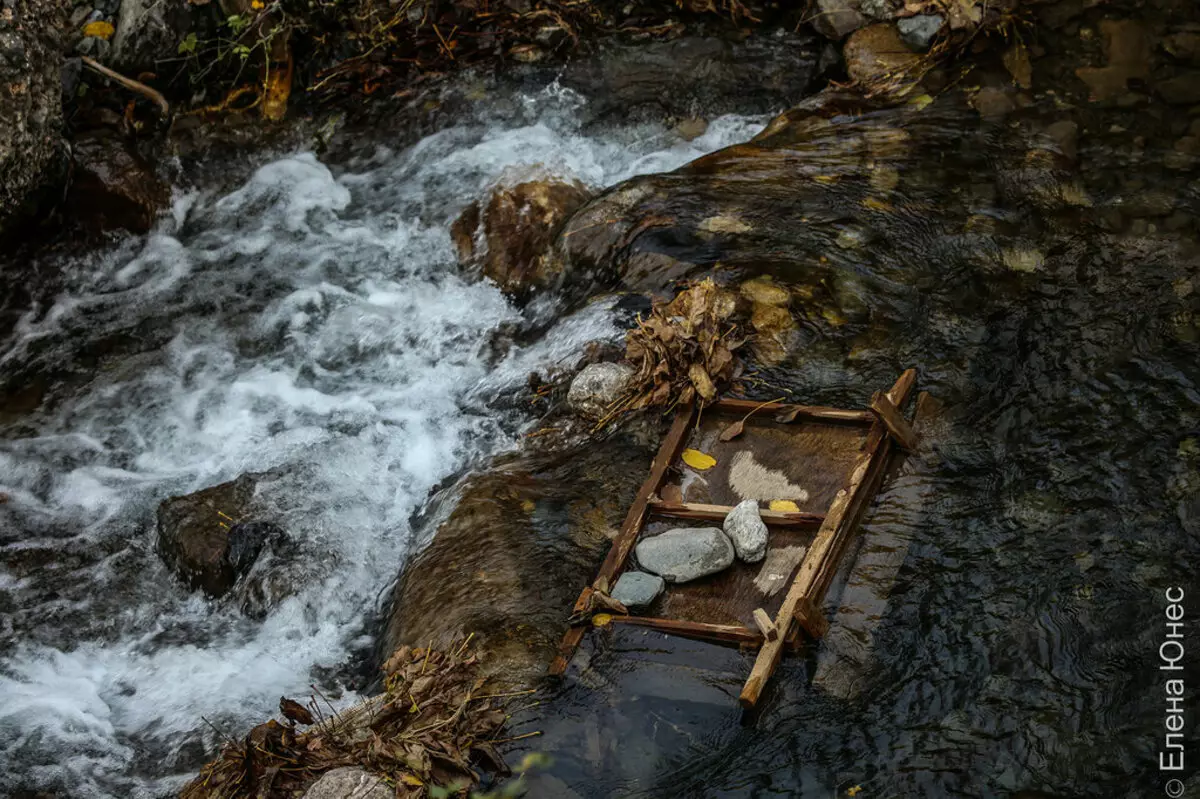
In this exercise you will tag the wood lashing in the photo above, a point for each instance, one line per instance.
(821, 560)
(628, 534)
(897, 425)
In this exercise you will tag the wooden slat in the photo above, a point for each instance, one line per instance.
(627, 537)
(818, 413)
(765, 625)
(897, 425)
(720, 633)
(716, 513)
(820, 561)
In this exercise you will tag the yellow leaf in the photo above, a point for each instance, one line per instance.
(411, 779)
(920, 101)
(698, 460)
(602, 619)
(785, 506)
(256, 4)
(853, 791)
(100, 29)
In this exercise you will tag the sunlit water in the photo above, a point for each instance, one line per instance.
(313, 320)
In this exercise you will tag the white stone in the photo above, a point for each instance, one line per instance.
(686, 553)
(597, 387)
(747, 531)
(349, 782)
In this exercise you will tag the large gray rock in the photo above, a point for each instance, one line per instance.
(686, 553)
(349, 782)
(747, 531)
(838, 18)
(32, 39)
(597, 387)
(637, 589)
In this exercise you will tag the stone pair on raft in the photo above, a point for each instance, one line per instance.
(689, 553)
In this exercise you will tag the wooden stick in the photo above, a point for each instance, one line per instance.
(717, 513)
(897, 425)
(719, 633)
(129, 83)
(765, 625)
(829, 541)
(627, 537)
(813, 412)
(811, 619)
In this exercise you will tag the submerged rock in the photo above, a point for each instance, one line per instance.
(747, 531)
(637, 590)
(596, 389)
(509, 240)
(200, 539)
(686, 553)
(508, 561)
(349, 782)
(836, 19)
(876, 53)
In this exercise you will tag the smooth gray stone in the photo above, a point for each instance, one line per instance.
(686, 553)
(637, 589)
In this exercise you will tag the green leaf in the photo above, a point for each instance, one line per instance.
(188, 45)
(241, 51)
(236, 23)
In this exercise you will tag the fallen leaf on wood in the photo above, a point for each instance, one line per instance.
(784, 506)
(700, 461)
(788, 416)
(602, 619)
(733, 431)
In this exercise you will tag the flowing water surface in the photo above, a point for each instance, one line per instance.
(312, 319)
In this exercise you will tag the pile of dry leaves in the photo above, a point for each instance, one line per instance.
(432, 726)
(684, 350)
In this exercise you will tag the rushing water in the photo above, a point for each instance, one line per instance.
(314, 319)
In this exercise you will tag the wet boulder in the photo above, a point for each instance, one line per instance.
(113, 187)
(521, 539)
(509, 239)
(877, 53)
(32, 40)
(210, 539)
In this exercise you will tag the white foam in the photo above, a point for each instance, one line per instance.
(309, 319)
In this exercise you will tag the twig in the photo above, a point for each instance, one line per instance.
(515, 738)
(218, 731)
(131, 84)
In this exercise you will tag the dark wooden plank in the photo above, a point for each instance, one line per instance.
(811, 619)
(627, 537)
(803, 412)
(716, 513)
(820, 562)
(719, 633)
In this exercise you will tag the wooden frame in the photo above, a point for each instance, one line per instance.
(801, 607)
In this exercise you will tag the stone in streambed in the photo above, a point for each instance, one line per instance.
(349, 782)
(745, 528)
(637, 589)
(918, 32)
(597, 387)
(686, 553)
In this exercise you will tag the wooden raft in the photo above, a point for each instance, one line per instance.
(828, 461)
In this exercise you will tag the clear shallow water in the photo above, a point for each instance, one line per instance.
(313, 319)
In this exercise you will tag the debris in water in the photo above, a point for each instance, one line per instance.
(701, 461)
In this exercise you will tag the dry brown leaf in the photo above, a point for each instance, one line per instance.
(733, 431)
(1016, 61)
(788, 415)
(702, 382)
(672, 493)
